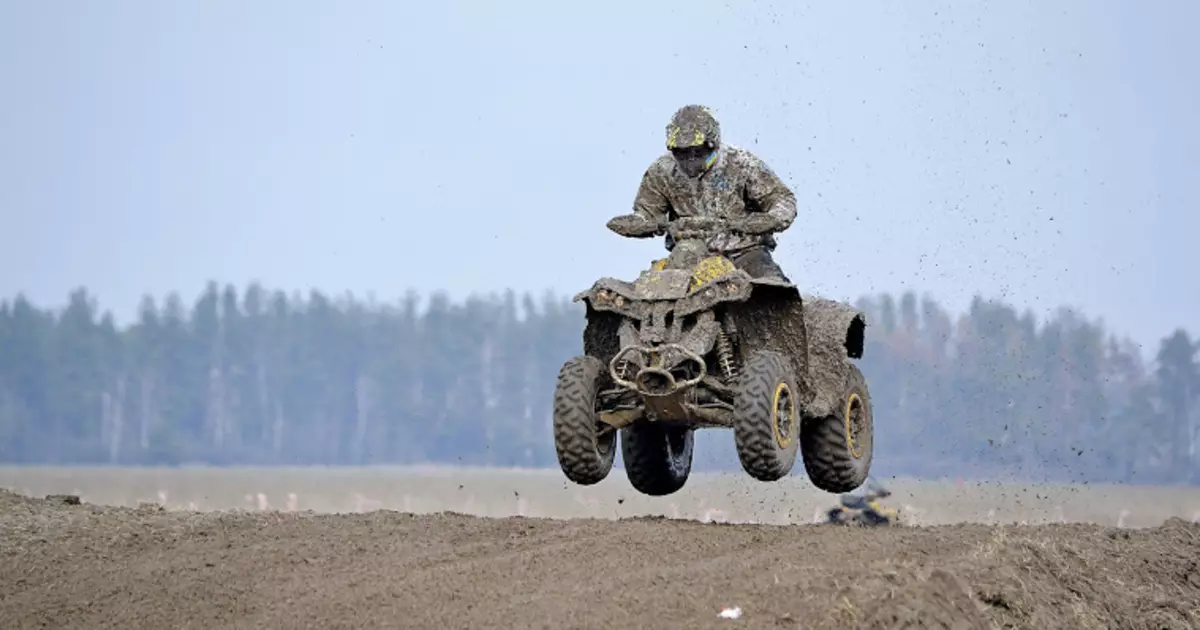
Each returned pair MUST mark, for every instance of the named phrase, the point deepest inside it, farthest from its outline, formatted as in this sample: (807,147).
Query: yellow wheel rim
(849,417)
(786,433)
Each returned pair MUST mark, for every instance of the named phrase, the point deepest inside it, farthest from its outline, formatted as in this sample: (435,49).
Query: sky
(1041,153)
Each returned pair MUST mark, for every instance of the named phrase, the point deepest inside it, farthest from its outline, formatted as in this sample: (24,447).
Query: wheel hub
(854,417)
(783,415)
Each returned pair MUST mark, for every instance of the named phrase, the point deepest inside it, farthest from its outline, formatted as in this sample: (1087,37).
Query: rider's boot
(758,262)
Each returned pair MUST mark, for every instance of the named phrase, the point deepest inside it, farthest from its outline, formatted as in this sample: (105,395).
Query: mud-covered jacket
(737,185)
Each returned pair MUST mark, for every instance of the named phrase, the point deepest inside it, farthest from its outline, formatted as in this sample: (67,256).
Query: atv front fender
(835,331)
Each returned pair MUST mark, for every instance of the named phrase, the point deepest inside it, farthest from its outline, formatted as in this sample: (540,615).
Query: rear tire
(658,457)
(584,456)
(766,419)
(838,447)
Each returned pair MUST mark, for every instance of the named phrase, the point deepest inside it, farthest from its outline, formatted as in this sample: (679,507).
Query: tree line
(255,376)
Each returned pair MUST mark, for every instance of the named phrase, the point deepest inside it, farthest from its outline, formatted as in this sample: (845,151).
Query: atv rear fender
(835,331)
(773,320)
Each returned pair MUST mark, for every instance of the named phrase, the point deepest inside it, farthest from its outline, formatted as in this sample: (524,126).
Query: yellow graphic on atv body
(710,269)
(705,271)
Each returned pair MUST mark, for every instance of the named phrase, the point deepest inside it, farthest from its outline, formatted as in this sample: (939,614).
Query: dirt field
(93,566)
(541,493)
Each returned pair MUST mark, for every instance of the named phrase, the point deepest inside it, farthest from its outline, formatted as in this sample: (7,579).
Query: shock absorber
(623,368)
(725,354)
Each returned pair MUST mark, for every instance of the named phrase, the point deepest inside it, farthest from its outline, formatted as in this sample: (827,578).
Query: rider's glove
(755,223)
(634,226)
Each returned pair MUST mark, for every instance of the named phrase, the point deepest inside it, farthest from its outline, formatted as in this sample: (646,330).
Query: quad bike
(865,511)
(696,343)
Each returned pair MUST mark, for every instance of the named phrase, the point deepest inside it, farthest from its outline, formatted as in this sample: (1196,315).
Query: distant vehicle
(864,510)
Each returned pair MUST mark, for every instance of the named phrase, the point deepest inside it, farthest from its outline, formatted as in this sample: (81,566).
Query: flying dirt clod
(713,336)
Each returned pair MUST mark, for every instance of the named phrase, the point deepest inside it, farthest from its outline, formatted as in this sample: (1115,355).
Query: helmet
(693,136)
(693,126)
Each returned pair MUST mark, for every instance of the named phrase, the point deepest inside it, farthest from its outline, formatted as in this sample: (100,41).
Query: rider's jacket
(738,182)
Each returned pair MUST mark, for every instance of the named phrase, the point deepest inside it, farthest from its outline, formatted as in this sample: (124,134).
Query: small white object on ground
(731,613)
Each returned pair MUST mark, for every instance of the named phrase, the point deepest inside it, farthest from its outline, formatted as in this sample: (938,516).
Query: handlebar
(701,228)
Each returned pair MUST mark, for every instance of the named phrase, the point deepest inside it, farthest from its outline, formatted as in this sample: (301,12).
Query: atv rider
(701,177)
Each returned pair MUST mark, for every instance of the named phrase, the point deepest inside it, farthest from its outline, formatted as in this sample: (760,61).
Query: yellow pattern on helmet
(693,126)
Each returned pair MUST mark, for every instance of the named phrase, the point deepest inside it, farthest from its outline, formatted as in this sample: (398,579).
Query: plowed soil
(71,565)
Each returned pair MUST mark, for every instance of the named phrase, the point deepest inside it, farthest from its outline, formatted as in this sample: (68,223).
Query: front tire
(766,419)
(838,447)
(658,457)
(585,456)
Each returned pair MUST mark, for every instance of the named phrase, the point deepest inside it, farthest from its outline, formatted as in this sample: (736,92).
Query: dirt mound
(70,565)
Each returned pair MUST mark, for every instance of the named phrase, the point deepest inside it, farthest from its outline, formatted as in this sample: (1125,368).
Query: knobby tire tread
(754,434)
(575,422)
(827,458)
(648,460)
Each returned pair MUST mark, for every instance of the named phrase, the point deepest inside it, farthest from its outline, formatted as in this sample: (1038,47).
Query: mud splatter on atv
(697,343)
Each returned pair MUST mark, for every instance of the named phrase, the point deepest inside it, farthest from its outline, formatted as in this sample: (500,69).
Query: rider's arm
(775,201)
(650,210)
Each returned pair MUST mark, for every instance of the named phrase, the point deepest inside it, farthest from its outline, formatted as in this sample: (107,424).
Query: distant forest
(260,377)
